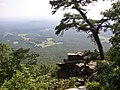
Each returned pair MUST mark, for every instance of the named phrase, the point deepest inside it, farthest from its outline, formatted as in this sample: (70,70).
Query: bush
(29,79)
(94,86)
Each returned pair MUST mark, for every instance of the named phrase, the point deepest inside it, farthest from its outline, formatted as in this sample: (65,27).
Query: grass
(48,43)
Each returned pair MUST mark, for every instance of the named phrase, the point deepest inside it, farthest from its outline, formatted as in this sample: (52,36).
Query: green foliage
(94,86)
(39,70)
(108,74)
(113,13)
(57,4)
(108,71)
(10,61)
(24,56)
(17,73)
(114,16)
(112,77)
(26,80)
(72,20)
(6,64)
(94,55)
(114,55)
(4,52)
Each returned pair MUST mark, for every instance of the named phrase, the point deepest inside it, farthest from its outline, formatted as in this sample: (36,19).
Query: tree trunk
(100,48)
(95,33)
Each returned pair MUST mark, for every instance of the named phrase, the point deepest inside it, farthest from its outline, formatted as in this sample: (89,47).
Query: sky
(41,9)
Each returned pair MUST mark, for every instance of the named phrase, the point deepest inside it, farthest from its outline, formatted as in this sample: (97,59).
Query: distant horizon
(27,19)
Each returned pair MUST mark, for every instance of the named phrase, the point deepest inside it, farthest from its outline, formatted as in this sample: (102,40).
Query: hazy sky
(39,9)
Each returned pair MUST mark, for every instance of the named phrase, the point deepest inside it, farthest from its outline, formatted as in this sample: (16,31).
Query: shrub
(94,86)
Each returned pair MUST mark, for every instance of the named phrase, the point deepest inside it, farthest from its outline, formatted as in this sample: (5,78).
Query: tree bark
(100,48)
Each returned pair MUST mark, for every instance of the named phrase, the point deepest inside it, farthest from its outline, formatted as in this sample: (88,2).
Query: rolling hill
(40,37)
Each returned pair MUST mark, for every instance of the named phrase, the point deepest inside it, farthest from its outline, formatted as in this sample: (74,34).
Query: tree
(24,56)
(108,71)
(113,15)
(79,21)
(11,60)
(6,66)
(29,79)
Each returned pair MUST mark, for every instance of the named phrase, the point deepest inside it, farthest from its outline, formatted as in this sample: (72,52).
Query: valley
(40,37)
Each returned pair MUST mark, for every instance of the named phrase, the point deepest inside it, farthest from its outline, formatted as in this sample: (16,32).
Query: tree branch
(83,15)
(102,21)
